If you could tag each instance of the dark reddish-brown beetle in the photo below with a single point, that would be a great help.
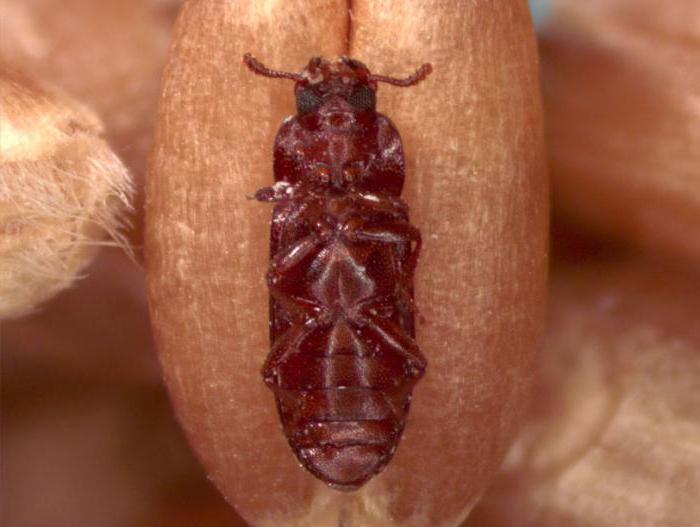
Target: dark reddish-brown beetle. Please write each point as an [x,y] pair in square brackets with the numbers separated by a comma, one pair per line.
[344,358]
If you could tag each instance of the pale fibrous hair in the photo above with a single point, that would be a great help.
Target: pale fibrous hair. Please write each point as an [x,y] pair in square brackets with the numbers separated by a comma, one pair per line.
[63,193]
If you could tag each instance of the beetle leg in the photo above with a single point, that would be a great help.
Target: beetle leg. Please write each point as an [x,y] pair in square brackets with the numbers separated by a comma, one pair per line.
[271,194]
[402,232]
[283,262]
[284,346]
[280,191]
[379,305]
[387,204]
[304,309]
[397,339]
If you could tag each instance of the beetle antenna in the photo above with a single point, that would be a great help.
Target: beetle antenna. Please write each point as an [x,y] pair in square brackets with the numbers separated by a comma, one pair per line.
[420,74]
[258,67]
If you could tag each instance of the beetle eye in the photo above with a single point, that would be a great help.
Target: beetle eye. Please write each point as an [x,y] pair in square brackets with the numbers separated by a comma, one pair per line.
[363,98]
[308,101]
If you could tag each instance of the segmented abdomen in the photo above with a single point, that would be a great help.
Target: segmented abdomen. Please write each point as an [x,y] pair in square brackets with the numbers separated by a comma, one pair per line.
[343,360]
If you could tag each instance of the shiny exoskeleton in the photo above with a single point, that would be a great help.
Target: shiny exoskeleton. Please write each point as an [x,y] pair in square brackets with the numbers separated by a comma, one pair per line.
[344,359]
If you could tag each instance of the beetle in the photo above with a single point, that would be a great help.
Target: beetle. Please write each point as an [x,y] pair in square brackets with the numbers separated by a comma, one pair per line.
[343,359]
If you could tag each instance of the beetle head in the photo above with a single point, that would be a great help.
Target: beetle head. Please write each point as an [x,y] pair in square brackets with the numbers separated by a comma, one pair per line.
[336,90]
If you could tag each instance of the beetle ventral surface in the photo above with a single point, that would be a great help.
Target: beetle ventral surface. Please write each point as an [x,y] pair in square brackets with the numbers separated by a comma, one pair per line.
[475,187]
[344,358]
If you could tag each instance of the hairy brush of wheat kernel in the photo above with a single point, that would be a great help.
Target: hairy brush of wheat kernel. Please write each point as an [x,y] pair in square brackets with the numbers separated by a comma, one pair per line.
[63,193]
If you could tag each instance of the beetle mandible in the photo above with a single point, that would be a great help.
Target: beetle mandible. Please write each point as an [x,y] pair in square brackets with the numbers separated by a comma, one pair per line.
[343,359]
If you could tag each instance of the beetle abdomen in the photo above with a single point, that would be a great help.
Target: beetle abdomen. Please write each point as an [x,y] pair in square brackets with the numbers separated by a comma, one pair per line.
[343,415]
